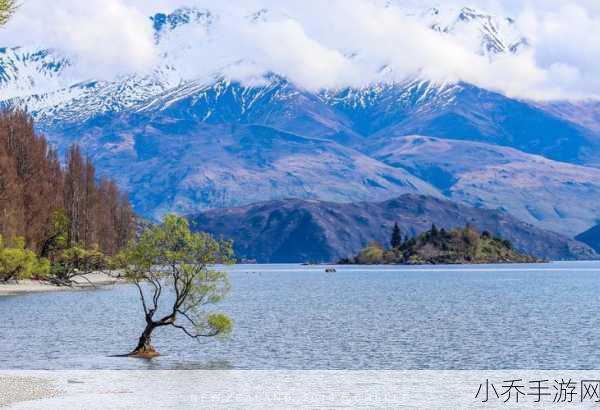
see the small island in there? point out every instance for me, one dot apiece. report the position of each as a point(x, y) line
point(439, 246)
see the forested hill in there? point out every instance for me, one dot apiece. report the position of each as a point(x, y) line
point(438, 246)
point(43, 202)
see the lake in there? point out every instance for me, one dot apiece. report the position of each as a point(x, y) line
point(543, 316)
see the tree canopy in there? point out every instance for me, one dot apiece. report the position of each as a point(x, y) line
point(438, 246)
point(172, 266)
point(396, 240)
point(17, 262)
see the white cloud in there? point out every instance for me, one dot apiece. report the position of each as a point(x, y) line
point(327, 44)
point(106, 37)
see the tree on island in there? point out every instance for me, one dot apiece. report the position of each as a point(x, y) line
point(171, 266)
point(7, 8)
point(396, 240)
point(439, 246)
point(372, 254)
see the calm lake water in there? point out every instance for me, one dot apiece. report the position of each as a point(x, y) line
point(296, 317)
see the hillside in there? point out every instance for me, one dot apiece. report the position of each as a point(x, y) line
point(298, 230)
point(591, 237)
point(172, 164)
point(553, 195)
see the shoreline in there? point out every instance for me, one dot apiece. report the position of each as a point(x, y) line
point(260, 389)
point(476, 263)
point(24, 287)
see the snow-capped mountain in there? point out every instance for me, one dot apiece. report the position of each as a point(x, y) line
point(184, 140)
point(25, 71)
point(83, 101)
point(42, 80)
point(165, 23)
point(493, 35)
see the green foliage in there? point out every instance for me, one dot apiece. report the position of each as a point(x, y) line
point(76, 261)
point(372, 254)
point(61, 224)
point(17, 262)
point(219, 323)
point(58, 239)
point(117, 262)
point(170, 256)
point(438, 246)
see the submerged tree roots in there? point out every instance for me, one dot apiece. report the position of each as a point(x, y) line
point(147, 352)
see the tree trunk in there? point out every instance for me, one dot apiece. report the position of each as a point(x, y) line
point(144, 348)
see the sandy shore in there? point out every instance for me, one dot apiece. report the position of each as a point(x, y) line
point(17, 389)
point(33, 286)
point(256, 389)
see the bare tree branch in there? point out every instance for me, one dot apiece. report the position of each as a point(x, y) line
point(84, 277)
point(137, 284)
point(196, 335)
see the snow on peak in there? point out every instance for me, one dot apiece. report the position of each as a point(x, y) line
point(39, 79)
point(23, 69)
point(162, 22)
point(491, 35)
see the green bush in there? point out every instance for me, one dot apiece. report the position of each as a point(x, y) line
point(17, 262)
point(77, 261)
point(372, 254)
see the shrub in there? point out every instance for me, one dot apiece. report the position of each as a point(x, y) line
point(77, 261)
point(372, 254)
point(17, 263)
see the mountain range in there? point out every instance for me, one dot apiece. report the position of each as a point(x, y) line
point(190, 145)
point(297, 230)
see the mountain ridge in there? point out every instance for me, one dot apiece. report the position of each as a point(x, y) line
point(295, 230)
point(555, 195)
point(591, 237)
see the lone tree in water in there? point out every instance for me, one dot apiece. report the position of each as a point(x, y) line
point(396, 241)
point(7, 8)
point(171, 268)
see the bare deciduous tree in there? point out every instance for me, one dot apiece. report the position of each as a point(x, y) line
point(34, 189)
